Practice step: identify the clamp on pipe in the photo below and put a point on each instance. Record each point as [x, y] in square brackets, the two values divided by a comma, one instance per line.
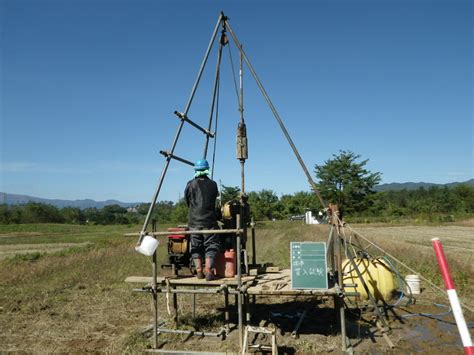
[183, 117]
[338, 290]
[244, 288]
[222, 288]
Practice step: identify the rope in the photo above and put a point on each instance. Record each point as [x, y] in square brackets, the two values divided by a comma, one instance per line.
[214, 94]
[405, 265]
[350, 243]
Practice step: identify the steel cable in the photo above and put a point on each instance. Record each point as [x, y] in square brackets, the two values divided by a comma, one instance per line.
[433, 285]
[233, 75]
[215, 127]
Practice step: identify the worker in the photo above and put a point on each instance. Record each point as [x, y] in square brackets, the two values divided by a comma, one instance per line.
[200, 195]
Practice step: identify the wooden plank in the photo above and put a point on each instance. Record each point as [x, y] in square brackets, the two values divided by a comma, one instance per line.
[184, 352]
[253, 272]
[264, 270]
[316, 292]
[279, 283]
[194, 281]
[285, 273]
[188, 281]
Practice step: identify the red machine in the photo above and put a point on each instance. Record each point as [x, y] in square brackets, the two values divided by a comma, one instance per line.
[178, 249]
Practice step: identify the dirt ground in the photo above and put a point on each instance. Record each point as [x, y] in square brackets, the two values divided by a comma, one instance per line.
[78, 301]
[458, 241]
[319, 330]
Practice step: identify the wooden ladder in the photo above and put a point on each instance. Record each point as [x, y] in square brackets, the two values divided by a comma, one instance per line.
[259, 330]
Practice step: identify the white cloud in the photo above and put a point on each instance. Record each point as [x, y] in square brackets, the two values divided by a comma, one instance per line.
[17, 167]
[95, 168]
[28, 167]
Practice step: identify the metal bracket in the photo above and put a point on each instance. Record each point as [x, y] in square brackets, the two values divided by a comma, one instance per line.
[168, 155]
[183, 117]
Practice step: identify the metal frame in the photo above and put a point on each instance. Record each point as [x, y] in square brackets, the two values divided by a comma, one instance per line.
[335, 237]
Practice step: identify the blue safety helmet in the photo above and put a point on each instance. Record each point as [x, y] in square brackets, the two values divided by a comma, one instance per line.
[201, 164]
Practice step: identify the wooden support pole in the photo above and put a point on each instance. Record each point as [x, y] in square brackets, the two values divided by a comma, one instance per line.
[383, 331]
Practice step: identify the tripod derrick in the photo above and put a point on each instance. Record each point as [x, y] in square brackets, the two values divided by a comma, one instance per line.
[249, 276]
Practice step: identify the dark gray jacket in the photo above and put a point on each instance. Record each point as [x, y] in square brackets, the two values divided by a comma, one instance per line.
[200, 195]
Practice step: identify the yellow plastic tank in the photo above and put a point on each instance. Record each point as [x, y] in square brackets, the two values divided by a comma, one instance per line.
[376, 274]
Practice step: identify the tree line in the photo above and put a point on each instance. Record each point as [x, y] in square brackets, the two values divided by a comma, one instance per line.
[433, 204]
[343, 179]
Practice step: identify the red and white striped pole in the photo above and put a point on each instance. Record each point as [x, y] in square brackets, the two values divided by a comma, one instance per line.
[453, 297]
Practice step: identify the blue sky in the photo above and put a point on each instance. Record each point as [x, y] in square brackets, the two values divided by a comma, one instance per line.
[88, 90]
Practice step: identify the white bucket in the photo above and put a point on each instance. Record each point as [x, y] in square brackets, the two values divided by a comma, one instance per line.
[147, 246]
[413, 281]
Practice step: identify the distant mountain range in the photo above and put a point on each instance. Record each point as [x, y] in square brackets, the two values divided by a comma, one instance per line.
[396, 186]
[14, 199]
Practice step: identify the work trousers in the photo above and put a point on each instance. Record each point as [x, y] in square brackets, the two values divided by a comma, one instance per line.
[207, 245]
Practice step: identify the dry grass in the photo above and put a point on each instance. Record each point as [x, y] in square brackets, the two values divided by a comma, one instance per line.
[12, 250]
[72, 301]
[412, 245]
[273, 241]
[77, 301]
[465, 223]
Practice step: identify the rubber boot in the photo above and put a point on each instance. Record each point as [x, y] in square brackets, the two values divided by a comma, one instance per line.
[209, 269]
[198, 265]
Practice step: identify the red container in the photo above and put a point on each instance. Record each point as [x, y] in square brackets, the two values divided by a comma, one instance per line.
[220, 264]
[225, 264]
[230, 263]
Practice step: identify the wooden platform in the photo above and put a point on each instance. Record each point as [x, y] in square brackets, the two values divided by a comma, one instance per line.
[277, 283]
[188, 280]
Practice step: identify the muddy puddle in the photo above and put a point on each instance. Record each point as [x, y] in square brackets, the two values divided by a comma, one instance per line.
[433, 329]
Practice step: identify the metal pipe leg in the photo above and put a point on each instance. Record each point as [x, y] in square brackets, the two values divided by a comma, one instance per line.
[155, 303]
[254, 253]
[239, 282]
[247, 309]
[175, 308]
[194, 303]
[239, 306]
[342, 318]
[178, 132]
[226, 312]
